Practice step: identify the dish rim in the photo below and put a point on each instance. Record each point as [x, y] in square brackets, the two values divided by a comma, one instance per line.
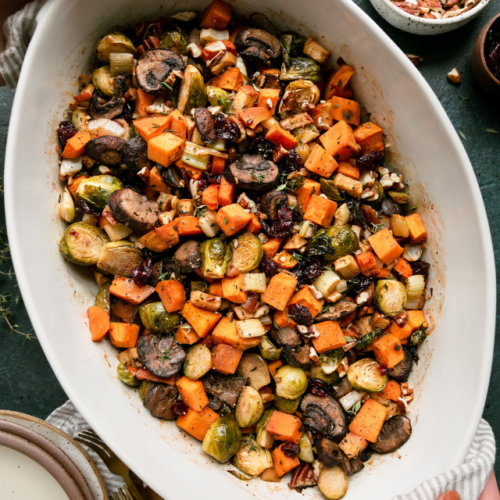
[44, 30]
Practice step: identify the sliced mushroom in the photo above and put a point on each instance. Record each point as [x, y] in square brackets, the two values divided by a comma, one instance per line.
[257, 45]
[161, 355]
[298, 356]
[329, 452]
[394, 434]
[106, 150]
[269, 82]
[287, 336]
[157, 268]
[338, 310]
[324, 415]
[214, 403]
[205, 124]
[227, 389]
[154, 68]
[253, 172]
[271, 202]
[114, 106]
[188, 256]
[132, 210]
[402, 370]
[135, 154]
[159, 400]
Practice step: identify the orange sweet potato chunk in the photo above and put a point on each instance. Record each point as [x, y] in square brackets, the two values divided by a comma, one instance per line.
[165, 149]
[197, 423]
[201, 320]
[370, 137]
[339, 141]
[232, 289]
[172, 294]
[330, 336]
[320, 210]
[232, 219]
[305, 193]
[225, 333]
[305, 298]
[385, 246]
[388, 350]
[369, 421]
[418, 233]
[320, 162]
[279, 291]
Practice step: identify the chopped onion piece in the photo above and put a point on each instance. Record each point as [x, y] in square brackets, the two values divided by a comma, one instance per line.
[350, 399]
[67, 206]
[195, 150]
[250, 328]
[254, 282]
[103, 126]
[70, 166]
[210, 35]
[121, 63]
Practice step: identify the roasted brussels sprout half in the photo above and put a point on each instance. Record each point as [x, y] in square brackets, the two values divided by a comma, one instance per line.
[389, 297]
[306, 448]
[249, 408]
[97, 189]
[329, 361]
[251, 458]
[192, 93]
[291, 382]
[125, 376]
[215, 258]
[247, 254]
[175, 41]
[286, 405]
[299, 96]
[119, 258]
[156, 319]
[198, 362]
[219, 97]
[301, 68]
[297, 43]
[113, 43]
[102, 299]
[144, 388]
[365, 375]
[104, 81]
[333, 482]
[255, 369]
[368, 338]
[222, 439]
[268, 350]
[333, 243]
[82, 243]
[329, 189]
[332, 379]
[264, 438]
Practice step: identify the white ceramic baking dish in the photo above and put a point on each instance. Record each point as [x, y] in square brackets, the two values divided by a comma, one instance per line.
[452, 376]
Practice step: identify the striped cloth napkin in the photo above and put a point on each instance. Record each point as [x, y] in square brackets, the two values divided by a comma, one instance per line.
[469, 479]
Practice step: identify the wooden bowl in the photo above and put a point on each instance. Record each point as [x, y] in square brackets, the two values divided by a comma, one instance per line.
[482, 73]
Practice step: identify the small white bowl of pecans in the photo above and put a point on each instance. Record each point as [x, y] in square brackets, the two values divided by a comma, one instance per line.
[428, 17]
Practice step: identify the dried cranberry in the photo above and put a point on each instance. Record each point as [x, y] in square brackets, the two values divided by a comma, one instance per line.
[211, 179]
[359, 284]
[202, 185]
[308, 270]
[74, 233]
[261, 146]
[384, 369]
[141, 274]
[290, 450]
[153, 256]
[225, 129]
[421, 268]
[370, 161]
[128, 111]
[494, 61]
[318, 387]
[179, 407]
[293, 161]
[133, 181]
[283, 222]
[300, 314]
[87, 208]
[268, 266]
[65, 131]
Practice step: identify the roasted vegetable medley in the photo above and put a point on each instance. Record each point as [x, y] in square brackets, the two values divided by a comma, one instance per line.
[259, 265]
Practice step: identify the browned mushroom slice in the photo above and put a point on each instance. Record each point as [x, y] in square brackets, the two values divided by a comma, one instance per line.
[188, 256]
[162, 356]
[135, 154]
[402, 370]
[324, 415]
[271, 202]
[257, 45]
[114, 106]
[154, 68]
[160, 399]
[329, 452]
[132, 210]
[298, 356]
[394, 434]
[287, 336]
[227, 389]
[106, 150]
[338, 310]
[253, 172]
[205, 124]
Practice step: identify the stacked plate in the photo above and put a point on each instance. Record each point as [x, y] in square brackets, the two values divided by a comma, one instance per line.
[39, 461]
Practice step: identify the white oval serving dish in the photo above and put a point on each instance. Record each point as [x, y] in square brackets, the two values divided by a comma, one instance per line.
[451, 388]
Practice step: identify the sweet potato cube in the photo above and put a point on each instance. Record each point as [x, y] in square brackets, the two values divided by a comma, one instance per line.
[337, 80]
[225, 359]
[151, 126]
[274, 366]
[304, 193]
[283, 320]
[418, 234]
[388, 350]
[187, 225]
[231, 79]
[156, 182]
[281, 137]
[339, 141]
[271, 246]
[305, 298]
[285, 260]
[216, 16]
[226, 192]
[225, 333]
[369, 421]
[177, 124]
[245, 98]
[127, 290]
[348, 167]
[320, 162]
[98, 322]
[345, 109]
[279, 291]
[254, 226]
[215, 288]
[370, 137]
[197, 423]
[268, 98]
[403, 268]
[192, 393]
[282, 463]
[165, 149]
[142, 101]
[330, 336]
[232, 289]
[251, 117]
[160, 238]
[400, 332]
[320, 210]
[123, 335]
[232, 219]
[352, 445]
[348, 184]
[415, 319]
[185, 334]
[285, 427]
[391, 391]
[172, 294]
[75, 146]
[368, 264]
[202, 321]
[385, 246]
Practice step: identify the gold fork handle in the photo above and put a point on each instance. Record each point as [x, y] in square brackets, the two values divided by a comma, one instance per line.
[131, 486]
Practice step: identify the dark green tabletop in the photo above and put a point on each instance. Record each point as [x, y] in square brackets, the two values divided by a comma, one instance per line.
[27, 382]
